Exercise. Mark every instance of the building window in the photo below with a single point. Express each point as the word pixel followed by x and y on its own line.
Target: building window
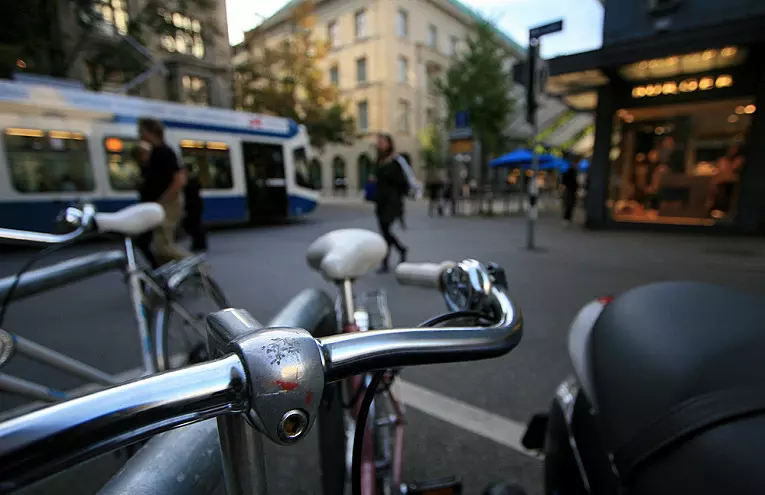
pixel 432 115
pixel 362 116
pixel 361 70
pixel 333 34
pixel 453 42
pixel 433 73
pixel 210 161
pixel 122 163
pixel 334 76
pixel 48 161
pixel 432 36
pixel 195 90
pixel 114 13
pixel 302 169
pixel 403 116
pixel 403 69
pixel 679 164
pixel 402 24
pixel 187 36
pixel 314 170
pixel 361 24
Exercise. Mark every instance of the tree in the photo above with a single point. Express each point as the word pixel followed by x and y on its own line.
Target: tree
pixel 286 80
pixel 431 149
pixel 33 36
pixel 479 83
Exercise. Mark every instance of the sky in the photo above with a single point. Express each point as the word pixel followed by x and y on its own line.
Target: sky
pixel 582 19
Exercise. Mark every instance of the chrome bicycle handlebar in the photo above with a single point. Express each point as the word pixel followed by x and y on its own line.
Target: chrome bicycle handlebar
pixel 79 217
pixel 362 352
pixel 274 376
pixel 48 440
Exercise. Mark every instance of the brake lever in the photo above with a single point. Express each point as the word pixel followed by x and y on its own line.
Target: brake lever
pixel 498 276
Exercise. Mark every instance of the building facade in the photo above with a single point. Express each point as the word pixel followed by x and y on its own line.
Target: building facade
pixel 384 56
pixel 193 49
pixel 679 138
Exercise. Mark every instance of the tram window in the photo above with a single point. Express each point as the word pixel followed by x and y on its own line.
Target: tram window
pixel 210 160
pixel 302 172
pixel 124 170
pixel 48 161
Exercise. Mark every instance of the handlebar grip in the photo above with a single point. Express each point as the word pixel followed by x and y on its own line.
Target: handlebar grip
pixel 422 274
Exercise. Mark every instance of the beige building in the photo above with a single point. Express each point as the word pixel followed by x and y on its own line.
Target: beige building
pixel 384 55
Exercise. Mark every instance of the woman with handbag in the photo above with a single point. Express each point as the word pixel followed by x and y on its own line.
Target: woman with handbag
pixel 391 187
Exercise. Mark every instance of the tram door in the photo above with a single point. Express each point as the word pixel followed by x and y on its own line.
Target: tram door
pixel 266 185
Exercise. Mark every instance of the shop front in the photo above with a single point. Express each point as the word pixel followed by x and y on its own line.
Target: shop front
pixel 678 139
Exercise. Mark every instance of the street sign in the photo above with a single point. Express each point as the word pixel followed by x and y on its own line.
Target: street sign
pixel 464 133
pixel 552 27
pixel 461 120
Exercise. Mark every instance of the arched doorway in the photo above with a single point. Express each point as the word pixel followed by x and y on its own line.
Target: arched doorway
pixel 340 182
pixel 366 168
pixel 314 174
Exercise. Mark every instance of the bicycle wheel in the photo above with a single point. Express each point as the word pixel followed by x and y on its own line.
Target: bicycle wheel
pixel 337 423
pixel 180 335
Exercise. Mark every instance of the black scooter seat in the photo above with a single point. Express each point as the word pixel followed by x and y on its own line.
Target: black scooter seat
pixel 658 349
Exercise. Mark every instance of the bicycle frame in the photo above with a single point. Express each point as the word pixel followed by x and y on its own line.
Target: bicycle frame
pixel 140 284
pixel 351 321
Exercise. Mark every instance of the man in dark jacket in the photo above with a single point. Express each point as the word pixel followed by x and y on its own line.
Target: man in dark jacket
pixel 194 205
pixel 570 182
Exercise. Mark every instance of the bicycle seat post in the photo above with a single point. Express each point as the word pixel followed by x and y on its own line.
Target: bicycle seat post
pixel 244 468
pixel 346 298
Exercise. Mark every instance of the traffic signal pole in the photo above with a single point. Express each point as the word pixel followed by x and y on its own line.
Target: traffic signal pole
pixel 531 108
pixel 534 86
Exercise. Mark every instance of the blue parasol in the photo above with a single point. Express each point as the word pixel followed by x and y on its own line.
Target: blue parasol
pixel 521 158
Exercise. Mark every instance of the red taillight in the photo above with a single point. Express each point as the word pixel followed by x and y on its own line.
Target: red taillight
pixel 605 299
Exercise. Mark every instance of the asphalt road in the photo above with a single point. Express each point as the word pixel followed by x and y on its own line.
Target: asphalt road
pixel 262 268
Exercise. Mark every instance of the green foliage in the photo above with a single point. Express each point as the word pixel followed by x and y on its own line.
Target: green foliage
pixel 31 33
pixel 478 82
pixel 431 148
pixel 286 80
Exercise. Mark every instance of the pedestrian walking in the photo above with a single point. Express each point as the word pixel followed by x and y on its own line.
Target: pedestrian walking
pixel 570 182
pixel 392 187
pixel 435 188
pixel 163 180
pixel 141 153
pixel 194 205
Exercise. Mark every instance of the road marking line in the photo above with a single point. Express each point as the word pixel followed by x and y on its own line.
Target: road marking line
pixel 463 415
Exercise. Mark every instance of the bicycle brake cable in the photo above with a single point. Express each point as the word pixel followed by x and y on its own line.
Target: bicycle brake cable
pixel 17 278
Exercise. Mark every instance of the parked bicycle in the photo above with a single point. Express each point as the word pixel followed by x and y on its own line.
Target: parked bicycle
pixel 169 303
pixel 342 256
pixel 274 379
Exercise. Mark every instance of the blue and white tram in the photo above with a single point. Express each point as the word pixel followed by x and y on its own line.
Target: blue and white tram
pixel 58 145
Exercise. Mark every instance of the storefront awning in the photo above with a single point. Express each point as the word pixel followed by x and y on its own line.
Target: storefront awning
pixel 576 78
